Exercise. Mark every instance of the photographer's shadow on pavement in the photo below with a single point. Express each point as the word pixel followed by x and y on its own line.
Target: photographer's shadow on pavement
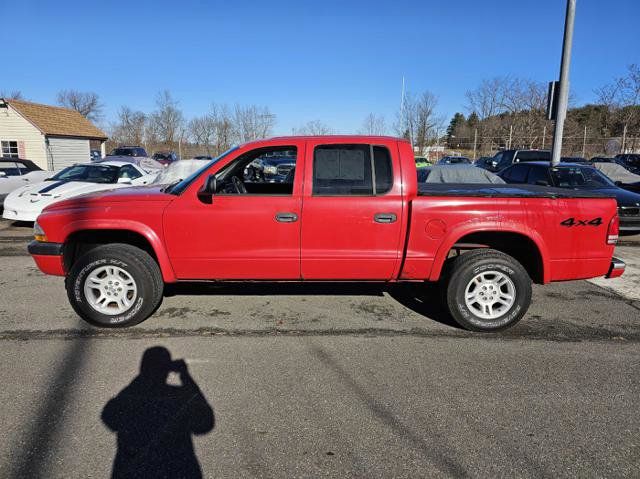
pixel 154 421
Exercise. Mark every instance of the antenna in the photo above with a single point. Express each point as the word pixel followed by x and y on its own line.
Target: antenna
pixel 402 101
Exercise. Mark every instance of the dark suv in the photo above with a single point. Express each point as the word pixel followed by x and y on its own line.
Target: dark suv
pixel 165 157
pixel 277 168
pixel 128 151
pixel 506 158
pixel 630 161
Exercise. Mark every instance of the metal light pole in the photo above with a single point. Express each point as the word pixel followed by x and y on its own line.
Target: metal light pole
pixel 475 142
pixel 563 96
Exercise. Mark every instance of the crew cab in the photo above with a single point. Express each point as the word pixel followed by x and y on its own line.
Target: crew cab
pixel 351 210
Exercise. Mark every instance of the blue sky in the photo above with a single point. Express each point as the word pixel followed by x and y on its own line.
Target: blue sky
pixel 334 61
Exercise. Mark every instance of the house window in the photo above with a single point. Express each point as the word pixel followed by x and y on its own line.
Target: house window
pixel 9 149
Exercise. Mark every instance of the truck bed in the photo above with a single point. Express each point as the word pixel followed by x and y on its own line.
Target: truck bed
pixel 503 191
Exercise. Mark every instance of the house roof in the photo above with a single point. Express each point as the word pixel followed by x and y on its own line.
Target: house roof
pixel 57 121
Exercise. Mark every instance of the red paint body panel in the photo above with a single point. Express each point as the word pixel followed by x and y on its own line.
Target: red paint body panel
pixel 236 237
pixel 141 212
pixel 50 264
pixel 340 239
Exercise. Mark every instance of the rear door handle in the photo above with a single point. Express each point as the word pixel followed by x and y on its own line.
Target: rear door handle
pixel 385 218
pixel 286 217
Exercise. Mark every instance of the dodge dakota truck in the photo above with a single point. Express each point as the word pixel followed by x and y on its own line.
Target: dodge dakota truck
pixel 351 210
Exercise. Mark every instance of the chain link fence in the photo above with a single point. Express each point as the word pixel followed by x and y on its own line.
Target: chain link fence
pixel 586 146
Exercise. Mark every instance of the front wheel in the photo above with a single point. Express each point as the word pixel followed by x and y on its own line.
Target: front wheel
pixel 487 290
pixel 115 286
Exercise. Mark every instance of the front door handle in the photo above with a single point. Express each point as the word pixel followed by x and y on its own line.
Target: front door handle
pixel 286 217
pixel 385 218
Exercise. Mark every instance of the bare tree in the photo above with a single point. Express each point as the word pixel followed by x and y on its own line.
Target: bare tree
pixel 12 95
pixel 130 128
pixel 86 103
pixel 510 111
pixel 373 125
pixel 167 122
pixel 313 128
pixel 202 130
pixel 622 98
pixel 427 122
pixel 418 120
pixel 225 130
pixel 252 122
pixel 487 100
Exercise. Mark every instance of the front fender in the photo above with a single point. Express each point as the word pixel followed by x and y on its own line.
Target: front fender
pixel 142 229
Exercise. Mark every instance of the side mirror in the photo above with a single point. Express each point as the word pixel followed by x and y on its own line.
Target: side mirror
pixel 208 189
pixel 124 181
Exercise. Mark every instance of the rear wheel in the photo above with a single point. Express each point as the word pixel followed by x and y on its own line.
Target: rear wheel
pixel 116 285
pixel 486 290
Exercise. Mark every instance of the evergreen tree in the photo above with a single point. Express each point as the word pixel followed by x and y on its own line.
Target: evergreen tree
pixel 457 121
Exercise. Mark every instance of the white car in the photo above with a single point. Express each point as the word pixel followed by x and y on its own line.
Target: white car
pixel 26 203
pixel 15 173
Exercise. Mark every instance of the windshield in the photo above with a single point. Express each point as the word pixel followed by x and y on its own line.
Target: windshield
pixel 633 160
pixel 128 152
pixel 179 187
pixel 579 177
pixel 534 155
pixel 89 174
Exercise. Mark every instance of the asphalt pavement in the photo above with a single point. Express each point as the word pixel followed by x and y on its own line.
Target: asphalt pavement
pixel 316 381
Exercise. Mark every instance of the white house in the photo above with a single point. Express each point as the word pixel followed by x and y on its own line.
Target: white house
pixel 50 136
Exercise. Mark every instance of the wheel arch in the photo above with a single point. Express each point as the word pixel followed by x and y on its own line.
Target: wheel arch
pixel 81 237
pixel 526 246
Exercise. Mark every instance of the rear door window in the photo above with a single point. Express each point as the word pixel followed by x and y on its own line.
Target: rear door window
pixel 533 156
pixel 351 170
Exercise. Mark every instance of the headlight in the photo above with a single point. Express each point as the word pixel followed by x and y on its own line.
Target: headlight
pixel 38 233
pixel 272 170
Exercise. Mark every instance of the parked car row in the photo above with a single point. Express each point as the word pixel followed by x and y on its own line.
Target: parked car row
pixel 506 158
pixel 27 202
pixel 577 176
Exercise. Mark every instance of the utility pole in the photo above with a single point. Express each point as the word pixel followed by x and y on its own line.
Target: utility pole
pixel 475 142
pixel 624 139
pixel 584 141
pixel 510 136
pixel 563 96
pixel 544 136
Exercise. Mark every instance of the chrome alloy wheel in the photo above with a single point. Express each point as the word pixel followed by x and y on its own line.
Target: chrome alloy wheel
pixel 490 294
pixel 110 290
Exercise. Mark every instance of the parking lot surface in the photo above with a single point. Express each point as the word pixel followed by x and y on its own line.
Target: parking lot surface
pixel 319 380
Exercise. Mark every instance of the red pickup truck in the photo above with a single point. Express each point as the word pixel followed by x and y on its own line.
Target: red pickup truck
pixel 330 208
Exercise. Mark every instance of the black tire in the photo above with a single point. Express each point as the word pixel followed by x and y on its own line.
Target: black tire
pixel 135 262
pixel 462 270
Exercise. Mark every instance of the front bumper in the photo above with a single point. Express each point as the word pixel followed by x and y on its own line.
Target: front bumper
pixel 629 221
pixel 48 257
pixel 616 269
pixel 11 213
